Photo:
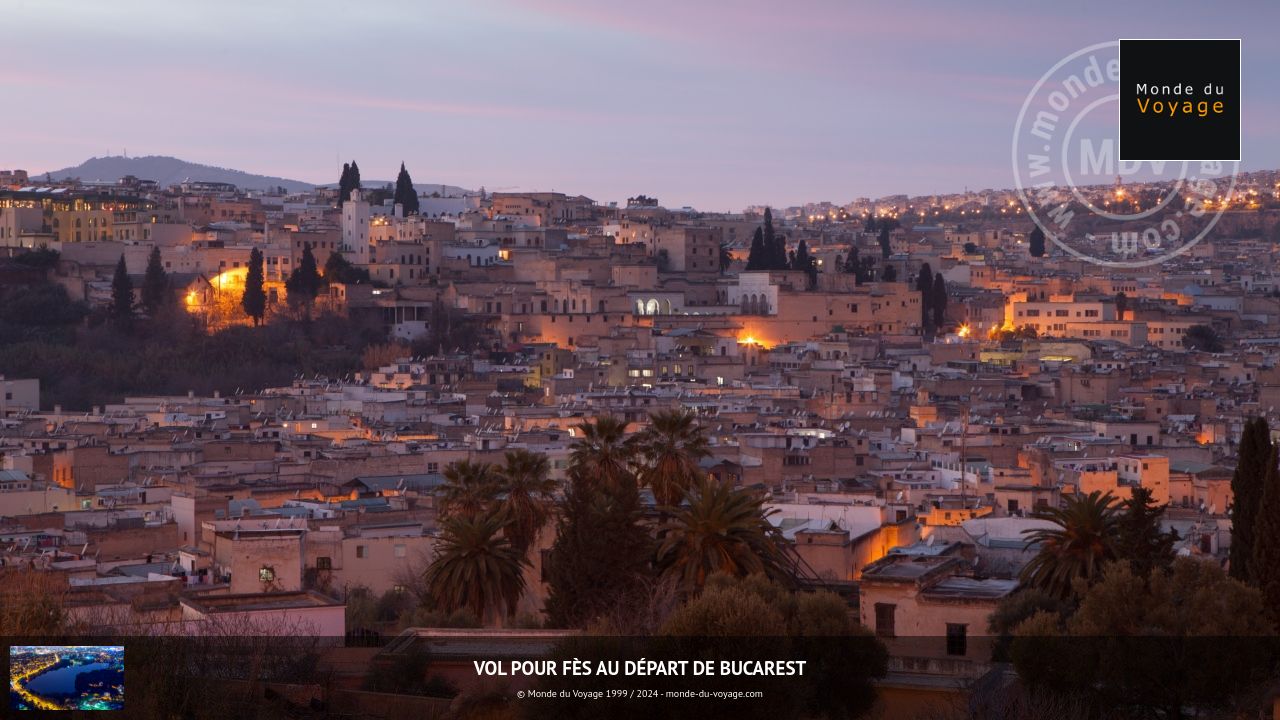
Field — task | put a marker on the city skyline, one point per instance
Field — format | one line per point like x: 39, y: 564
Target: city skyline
x: 700, y: 107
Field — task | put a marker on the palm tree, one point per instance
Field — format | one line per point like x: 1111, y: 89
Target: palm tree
x: 476, y: 566
x: 671, y: 447
x: 469, y: 488
x: 720, y: 529
x: 526, y: 495
x: 1083, y: 541
x: 602, y: 454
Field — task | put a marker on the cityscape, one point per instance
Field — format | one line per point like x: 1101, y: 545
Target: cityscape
x: 62, y: 677
x: 605, y: 365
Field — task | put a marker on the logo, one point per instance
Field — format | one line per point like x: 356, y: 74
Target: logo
x: 1085, y: 199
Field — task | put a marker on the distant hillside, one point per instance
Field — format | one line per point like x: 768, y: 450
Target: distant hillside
x: 170, y: 171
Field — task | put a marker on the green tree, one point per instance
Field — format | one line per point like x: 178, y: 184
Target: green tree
x: 602, y: 555
x: 406, y: 196
x: 1203, y: 338
x: 1266, y: 541
x: 671, y: 448
x: 337, y: 269
x: 1035, y: 242
x: 1122, y: 303
x: 924, y: 285
x: 121, y: 307
x: 970, y: 249
x: 476, y: 567
x: 1083, y: 541
x: 756, y: 259
x: 349, y: 181
x: 601, y: 454
x: 720, y: 529
x: 304, y: 283
x: 526, y: 495
x: 155, y: 284
x: 469, y: 488
x: 1246, y: 489
x: 254, y: 299
x: 890, y: 273
x: 1139, y: 539
x: 726, y: 258
x: 886, y: 249
x: 938, y: 300
x: 1186, y: 638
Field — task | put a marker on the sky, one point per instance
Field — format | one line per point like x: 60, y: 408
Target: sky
x: 713, y: 104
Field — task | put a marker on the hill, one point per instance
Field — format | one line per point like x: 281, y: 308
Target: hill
x: 168, y: 171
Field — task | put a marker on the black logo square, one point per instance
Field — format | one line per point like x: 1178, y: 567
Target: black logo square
x: 1180, y: 100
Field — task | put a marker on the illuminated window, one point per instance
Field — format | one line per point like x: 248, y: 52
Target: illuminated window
x: 267, y: 574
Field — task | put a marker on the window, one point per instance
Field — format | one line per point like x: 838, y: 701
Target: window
x: 360, y: 552
x: 884, y: 619
x: 399, y: 551
x: 957, y: 639
x: 267, y: 574
x: 324, y: 563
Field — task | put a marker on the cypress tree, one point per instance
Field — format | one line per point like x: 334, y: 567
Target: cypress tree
x: 121, y: 307
x: 756, y: 259
x: 405, y: 195
x: 889, y: 274
x: 254, y: 300
x: 1036, y: 242
x: 939, y: 300
x: 885, y: 249
x: 355, y: 176
x: 1140, y: 541
x: 304, y: 282
x: 155, y: 284
x: 344, y: 183
x: 601, y: 555
x: 775, y: 247
x: 1246, y: 488
x: 1265, y: 564
x: 924, y: 285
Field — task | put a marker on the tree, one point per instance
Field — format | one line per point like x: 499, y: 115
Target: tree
x: 671, y: 447
x: 476, y: 567
x: 775, y: 246
x: 1266, y: 541
x: 1083, y: 541
x: 1140, y: 540
x: 602, y: 455
x: 526, y: 496
x: 337, y: 269
x: 1035, y: 242
x: 756, y: 258
x: 254, y: 300
x: 121, y: 307
x: 349, y: 181
x: 924, y: 285
x: 155, y: 284
x: 938, y: 299
x: 1246, y: 489
x: 406, y: 196
x: 885, y: 248
x: 726, y: 258
x: 602, y: 555
x: 1190, y: 637
x: 469, y: 488
x: 721, y: 529
x: 304, y: 282
x: 1203, y: 338
x: 889, y: 274
x: 1122, y: 302
x: 970, y: 249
